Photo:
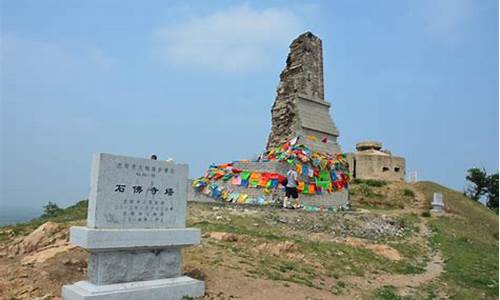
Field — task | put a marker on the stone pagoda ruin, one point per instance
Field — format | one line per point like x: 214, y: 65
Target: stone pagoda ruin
x: 300, y: 108
x: 303, y: 137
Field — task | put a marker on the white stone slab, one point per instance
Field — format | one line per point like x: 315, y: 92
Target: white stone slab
x: 108, y: 239
x: 437, y: 199
x: 129, y: 192
x: 162, y: 289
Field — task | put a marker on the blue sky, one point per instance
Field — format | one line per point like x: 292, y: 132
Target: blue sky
x: 195, y: 81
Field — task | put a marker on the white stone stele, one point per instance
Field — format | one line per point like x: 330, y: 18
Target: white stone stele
x: 161, y: 289
x: 437, y: 203
x: 127, y: 192
x: 135, y: 232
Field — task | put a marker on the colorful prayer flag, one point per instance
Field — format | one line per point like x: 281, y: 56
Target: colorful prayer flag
x: 305, y: 170
x: 312, y: 189
x: 245, y: 175
x: 300, y: 186
x: 236, y: 180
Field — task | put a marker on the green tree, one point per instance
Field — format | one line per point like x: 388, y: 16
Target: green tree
x: 50, y: 210
x: 478, y: 183
x: 492, y: 192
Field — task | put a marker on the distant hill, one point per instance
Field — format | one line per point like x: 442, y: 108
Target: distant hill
x: 13, y: 215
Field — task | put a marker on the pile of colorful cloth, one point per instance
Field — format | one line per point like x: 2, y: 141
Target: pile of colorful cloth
x: 319, y: 173
x: 324, y: 171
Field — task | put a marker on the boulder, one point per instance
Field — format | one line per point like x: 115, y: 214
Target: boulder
x: 45, y: 235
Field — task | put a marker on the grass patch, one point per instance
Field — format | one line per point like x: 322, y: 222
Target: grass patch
x: 373, y: 194
x: 410, y: 222
x: 367, y: 191
x: 336, y: 259
x: 414, y: 258
x: 369, y: 182
x: 469, y: 244
x: 282, y: 269
x: 365, y: 195
x: 341, y: 259
x: 410, y: 250
x: 471, y: 259
x: 387, y: 292
x: 239, y: 225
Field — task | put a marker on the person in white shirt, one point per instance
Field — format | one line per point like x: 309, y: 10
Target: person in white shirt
x: 290, y: 187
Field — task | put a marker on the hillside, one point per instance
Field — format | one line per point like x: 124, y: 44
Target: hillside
x: 388, y: 247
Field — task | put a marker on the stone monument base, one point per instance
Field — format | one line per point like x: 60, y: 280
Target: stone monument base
x: 438, y: 211
x: 335, y: 199
x: 161, y: 289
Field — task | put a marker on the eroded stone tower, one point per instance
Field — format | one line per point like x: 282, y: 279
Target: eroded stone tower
x: 300, y: 108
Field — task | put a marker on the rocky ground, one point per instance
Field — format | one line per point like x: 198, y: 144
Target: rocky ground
x: 383, y: 249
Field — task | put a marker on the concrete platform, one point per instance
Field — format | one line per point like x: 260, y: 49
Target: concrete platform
x: 162, y: 289
x: 108, y: 239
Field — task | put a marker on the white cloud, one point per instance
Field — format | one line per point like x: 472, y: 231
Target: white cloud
x: 237, y: 39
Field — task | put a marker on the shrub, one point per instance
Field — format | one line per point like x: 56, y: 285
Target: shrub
x: 50, y: 210
x: 387, y: 292
x: 369, y: 182
x: 365, y: 190
x: 375, y: 183
x: 408, y: 193
x: 356, y: 181
x: 426, y: 214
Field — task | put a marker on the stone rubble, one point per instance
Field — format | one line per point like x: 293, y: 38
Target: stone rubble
x: 44, y: 236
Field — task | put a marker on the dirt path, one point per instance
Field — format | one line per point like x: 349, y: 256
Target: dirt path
x: 234, y: 285
x: 433, y: 269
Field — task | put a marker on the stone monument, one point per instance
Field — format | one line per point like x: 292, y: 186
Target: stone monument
x: 437, y: 203
x: 300, y: 108
x: 135, y: 232
x: 301, y: 113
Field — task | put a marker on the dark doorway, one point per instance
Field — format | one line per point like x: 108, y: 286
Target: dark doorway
x: 353, y: 167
